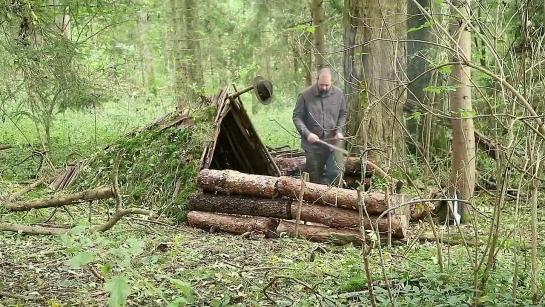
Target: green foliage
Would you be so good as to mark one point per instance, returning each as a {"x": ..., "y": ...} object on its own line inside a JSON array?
[
  {"x": 150, "y": 164},
  {"x": 186, "y": 294},
  {"x": 119, "y": 290},
  {"x": 82, "y": 259}
]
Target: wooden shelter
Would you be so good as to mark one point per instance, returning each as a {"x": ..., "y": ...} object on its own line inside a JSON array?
[{"x": 235, "y": 144}]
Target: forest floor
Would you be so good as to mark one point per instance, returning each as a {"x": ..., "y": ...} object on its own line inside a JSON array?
[{"x": 167, "y": 263}]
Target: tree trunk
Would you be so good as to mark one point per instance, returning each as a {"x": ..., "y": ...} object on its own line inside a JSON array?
[
  {"x": 146, "y": 57},
  {"x": 63, "y": 200},
  {"x": 417, "y": 54},
  {"x": 375, "y": 203},
  {"x": 307, "y": 54},
  {"x": 279, "y": 208},
  {"x": 177, "y": 7},
  {"x": 318, "y": 21},
  {"x": 344, "y": 218},
  {"x": 463, "y": 138},
  {"x": 233, "y": 182},
  {"x": 375, "y": 71},
  {"x": 231, "y": 223},
  {"x": 320, "y": 233},
  {"x": 193, "y": 47}
]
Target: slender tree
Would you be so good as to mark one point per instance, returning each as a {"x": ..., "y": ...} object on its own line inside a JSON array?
[
  {"x": 146, "y": 56},
  {"x": 463, "y": 131},
  {"x": 188, "y": 74},
  {"x": 318, "y": 21}
]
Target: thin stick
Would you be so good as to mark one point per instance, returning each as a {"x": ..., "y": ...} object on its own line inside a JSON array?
[{"x": 304, "y": 178}]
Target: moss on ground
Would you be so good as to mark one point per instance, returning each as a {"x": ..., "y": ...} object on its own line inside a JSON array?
[{"x": 155, "y": 169}]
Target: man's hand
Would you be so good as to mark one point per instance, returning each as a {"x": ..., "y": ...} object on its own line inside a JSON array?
[
  {"x": 339, "y": 136},
  {"x": 312, "y": 138}
]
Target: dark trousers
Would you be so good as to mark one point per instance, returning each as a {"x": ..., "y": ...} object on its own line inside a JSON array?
[{"x": 324, "y": 166}]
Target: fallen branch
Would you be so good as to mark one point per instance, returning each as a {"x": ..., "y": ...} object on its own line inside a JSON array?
[
  {"x": 33, "y": 230},
  {"x": 117, "y": 216},
  {"x": 5, "y": 146},
  {"x": 63, "y": 200},
  {"x": 19, "y": 296},
  {"x": 12, "y": 197},
  {"x": 39, "y": 230}
]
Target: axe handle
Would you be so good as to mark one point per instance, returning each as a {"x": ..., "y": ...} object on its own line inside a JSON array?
[{"x": 333, "y": 147}]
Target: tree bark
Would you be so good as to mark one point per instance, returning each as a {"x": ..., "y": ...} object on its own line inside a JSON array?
[
  {"x": 233, "y": 182},
  {"x": 344, "y": 218},
  {"x": 375, "y": 203},
  {"x": 231, "y": 223},
  {"x": 59, "y": 201},
  {"x": 463, "y": 131},
  {"x": 321, "y": 233},
  {"x": 374, "y": 73},
  {"x": 318, "y": 21},
  {"x": 280, "y": 208}
]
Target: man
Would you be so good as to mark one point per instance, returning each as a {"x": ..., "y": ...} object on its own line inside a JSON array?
[{"x": 320, "y": 114}]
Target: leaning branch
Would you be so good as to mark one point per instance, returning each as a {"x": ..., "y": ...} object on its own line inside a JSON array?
[{"x": 59, "y": 201}]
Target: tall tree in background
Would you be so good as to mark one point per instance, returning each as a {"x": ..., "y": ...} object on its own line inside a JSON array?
[
  {"x": 146, "y": 56},
  {"x": 318, "y": 21},
  {"x": 463, "y": 143},
  {"x": 188, "y": 72},
  {"x": 374, "y": 71},
  {"x": 417, "y": 50}
]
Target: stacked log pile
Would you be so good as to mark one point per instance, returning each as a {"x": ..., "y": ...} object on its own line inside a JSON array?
[
  {"x": 240, "y": 203},
  {"x": 293, "y": 164}
]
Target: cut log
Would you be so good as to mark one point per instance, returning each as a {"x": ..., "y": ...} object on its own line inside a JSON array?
[
  {"x": 343, "y": 218},
  {"x": 375, "y": 203},
  {"x": 59, "y": 201},
  {"x": 242, "y": 205},
  {"x": 231, "y": 223},
  {"x": 233, "y": 182},
  {"x": 321, "y": 233},
  {"x": 295, "y": 165},
  {"x": 354, "y": 182},
  {"x": 65, "y": 178}
]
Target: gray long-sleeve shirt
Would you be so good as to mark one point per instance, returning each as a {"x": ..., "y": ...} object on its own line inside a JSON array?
[{"x": 322, "y": 115}]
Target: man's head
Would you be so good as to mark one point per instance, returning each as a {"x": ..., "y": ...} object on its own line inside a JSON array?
[{"x": 324, "y": 81}]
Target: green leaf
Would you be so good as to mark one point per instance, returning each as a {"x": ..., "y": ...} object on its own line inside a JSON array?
[
  {"x": 106, "y": 269},
  {"x": 447, "y": 70},
  {"x": 136, "y": 246},
  {"x": 468, "y": 113},
  {"x": 119, "y": 291},
  {"x": 310, "y": 29},
  {"x": 416, "y": 115},
  {"x": 439, "y": 89},
  {"x": 81, "y": 259},
  {"x": 427, "y": 24},
  {"x": 186, "y": 291}
]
